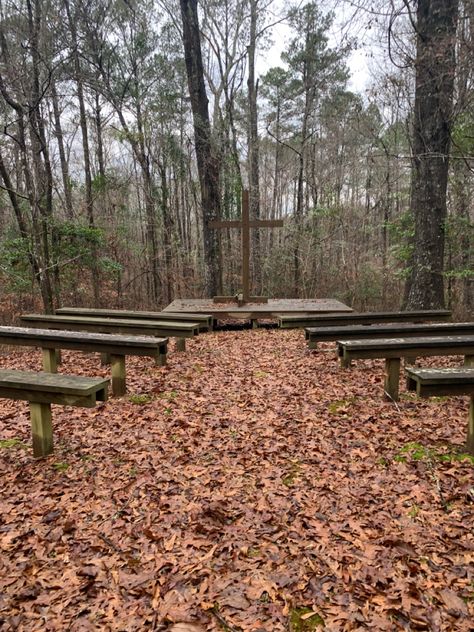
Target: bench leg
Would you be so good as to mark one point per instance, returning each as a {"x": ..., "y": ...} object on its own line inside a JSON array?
[
  {"x": 104, "y": 359},
  {"x": 312, "y": 344},
  {"x": 41, "y": 429},
  {"x": 59, "y": 359},
  {"x": 470, "y": 428},
  {"x": 345, "y": 362},
  {"x": 50, "y": 360},
  {"x": 254, "y": 322},
  {"x": 118, "y": 374},
  {"x": 180, "y": 344},
  {"x": 469, "y": 360},
  {"x": 392, "y": 376},
  {"x": 160, "y": 359}
]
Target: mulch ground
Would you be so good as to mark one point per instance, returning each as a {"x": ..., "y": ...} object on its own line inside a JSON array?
[{"x": 251, "y": 484}]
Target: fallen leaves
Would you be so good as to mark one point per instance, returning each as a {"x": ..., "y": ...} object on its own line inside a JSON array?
[{"x": 247, "y": 483}]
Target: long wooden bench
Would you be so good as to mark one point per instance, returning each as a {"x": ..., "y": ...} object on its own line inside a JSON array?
[
  {"x": 43, "y": 389},
  {"x": 117, "y": 346},
  {"x": 403, "y": 330},
  {"x": 292, "y": 321},
  {"x": 441, "y": 382},
  {"x": 205, "y": 321},
  {"x": 179, "y": 330},
  {"x": 394, "y": 349}
]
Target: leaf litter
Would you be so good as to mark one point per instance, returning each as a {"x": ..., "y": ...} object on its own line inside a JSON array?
[{"x": 249, "y": 485}]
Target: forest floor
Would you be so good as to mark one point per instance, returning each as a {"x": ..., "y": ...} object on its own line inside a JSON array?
[{"x": 251, "y": 484}]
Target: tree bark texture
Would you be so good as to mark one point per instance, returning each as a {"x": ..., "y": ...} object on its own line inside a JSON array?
[
  {"x": 208, "y": 167},
  {"x": 435, "y": 68},
  {"x": 253, "y": 141}
]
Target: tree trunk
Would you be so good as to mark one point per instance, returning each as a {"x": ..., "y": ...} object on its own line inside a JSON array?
[
  {"x": 435, "y": 67},
  {"x": 43, "y": 177},
  {"x": 253, "y": 143},
  {"x": 85, "y": 148},
  {"x": 58, "y": 130},
  {"x": 100, "y": 142},
  {"x": 208, "y": 167}
]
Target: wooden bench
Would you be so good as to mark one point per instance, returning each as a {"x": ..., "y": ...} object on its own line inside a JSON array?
[
  {"x": 43, "y": 389},
  {"x": 292, "y": 321},
  {"x": 205, "y": 321},
  {"x": 117, "y": 346},
  {"x": 441, "y": 382},
  {"x": 394, "y": 349},
  {"x": 164, "y": 328},
  {"x": 403, "y": 330}
]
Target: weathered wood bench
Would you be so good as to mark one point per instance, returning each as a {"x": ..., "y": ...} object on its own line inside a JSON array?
[
  {"x": 291, "y": 321},
  {"x": 164, "y": 328},
  {"x": 394, "y": 349},
  {"x": 403, "y": 330},
  {"x": 441, "y": 382},
  {"x": 118, "y": 347},
  {"x": 43, "y": 389},
  {"x": 205, "y": 321}
]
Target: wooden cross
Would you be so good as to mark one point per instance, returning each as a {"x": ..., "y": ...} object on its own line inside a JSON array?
[{"x": 245, "y": 223}]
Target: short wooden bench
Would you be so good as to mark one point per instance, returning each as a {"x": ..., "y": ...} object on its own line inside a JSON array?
[
  {"x": 292, "y": 321},
  {"x": 164, "y": 328},
  {"x": 403, "y": 330},
  {"x": 118, "y": 347},
  {"x": 43, "y": 389},
  {"x": 205, "y": 321},
  {"x": 441, "y": 382},
  {"x": 394, "y": 349}
]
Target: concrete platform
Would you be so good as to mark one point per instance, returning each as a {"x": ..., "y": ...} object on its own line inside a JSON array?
[{"x": 255, "y": 311}]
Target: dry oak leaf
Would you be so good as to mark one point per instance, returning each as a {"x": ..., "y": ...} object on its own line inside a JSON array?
[
  {"x": 454, "y": 604},
  {"x": 186, "y": 627}
]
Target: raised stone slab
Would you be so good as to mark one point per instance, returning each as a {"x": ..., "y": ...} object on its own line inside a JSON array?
[{"x": 254, "y": 311}]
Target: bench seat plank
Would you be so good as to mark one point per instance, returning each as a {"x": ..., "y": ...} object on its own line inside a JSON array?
[
  {"x": 287, "y": 321},
  {"x": 449, "y": 381},
  {"x": 440, "y": 382},
  {"x": 51, "y": 382},
  {"x": 403, "y": 330},
  {"x": 113, "y": 325},
  {"x": 205, "y": 321},
  {"x": 406, "y": 343},
  {"x": 43, "y": 389},
  {"x": 393, "y": 349},
  {"x": 116, "y": 345},
  {"x": 80, "y": 341}
]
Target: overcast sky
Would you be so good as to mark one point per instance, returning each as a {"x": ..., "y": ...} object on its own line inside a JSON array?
[{"x": 348, "y": 25}]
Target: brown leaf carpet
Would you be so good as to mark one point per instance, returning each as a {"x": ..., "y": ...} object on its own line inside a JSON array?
[{"x": 248, "y": 478}]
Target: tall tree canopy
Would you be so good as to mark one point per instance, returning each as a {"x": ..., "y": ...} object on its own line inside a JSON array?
[{"x": 128, "y": 126}]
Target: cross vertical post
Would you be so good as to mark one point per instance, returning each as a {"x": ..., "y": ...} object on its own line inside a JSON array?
[
  {"x": 245, "y": 247},
  {"x": 245, "y": 224}
]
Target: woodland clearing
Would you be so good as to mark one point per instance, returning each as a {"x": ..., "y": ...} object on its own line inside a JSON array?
[{"x": 251, "y": 484}]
